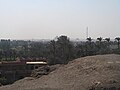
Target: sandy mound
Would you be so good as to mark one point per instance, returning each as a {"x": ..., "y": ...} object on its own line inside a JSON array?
[{"x": 100, "y": 72}]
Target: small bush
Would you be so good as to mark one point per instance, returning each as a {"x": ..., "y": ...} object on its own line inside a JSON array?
[{"x": 3, "y": 80}]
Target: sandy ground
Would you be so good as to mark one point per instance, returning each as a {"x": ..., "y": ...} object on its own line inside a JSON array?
[{"x": 100, "y": 72}]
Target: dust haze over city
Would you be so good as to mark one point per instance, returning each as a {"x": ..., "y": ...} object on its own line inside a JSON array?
[
  {"x": 59, "y": 45},
  {"x": 46, "y": 19}
]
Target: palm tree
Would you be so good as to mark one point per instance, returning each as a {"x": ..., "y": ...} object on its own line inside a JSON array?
[
  {"x": 88, "y": 46},
  {"x": 100, "y": 46},
  {"x": 118, "y": 40},
  {"x": 99, "y": 39},
  {"x": 107, "y": 45},
  {"x": 107, "y": 39},
  {"x": 89, "y": 39}
]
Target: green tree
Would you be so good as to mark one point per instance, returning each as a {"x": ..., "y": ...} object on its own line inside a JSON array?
[
  {"x": 61, "y": 50},
  {"x": 89, "y": 39},
  {"x": 118, "y": 40},
  {"x": 107, "y": 45},
  {"x": 100, "y": 42},
  {"x": 5, "y": 47},
  {"x": 52, "y": 48},
  {"x": 89, "y": 46},
  {"x": 107, "y": 39},
  {"x": 99, "y": 39}
]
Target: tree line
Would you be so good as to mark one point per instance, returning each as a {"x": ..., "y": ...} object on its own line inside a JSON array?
[{"x": 58, "y": 51}]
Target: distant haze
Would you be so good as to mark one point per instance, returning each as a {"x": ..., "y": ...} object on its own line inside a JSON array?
[{"x": 46, "y": 19}]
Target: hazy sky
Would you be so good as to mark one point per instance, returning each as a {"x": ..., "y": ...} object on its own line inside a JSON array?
[{"x": 45, "y": 19}]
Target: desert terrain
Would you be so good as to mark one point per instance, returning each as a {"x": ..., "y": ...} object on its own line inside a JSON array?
[{"x": 99, "y": 72}]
